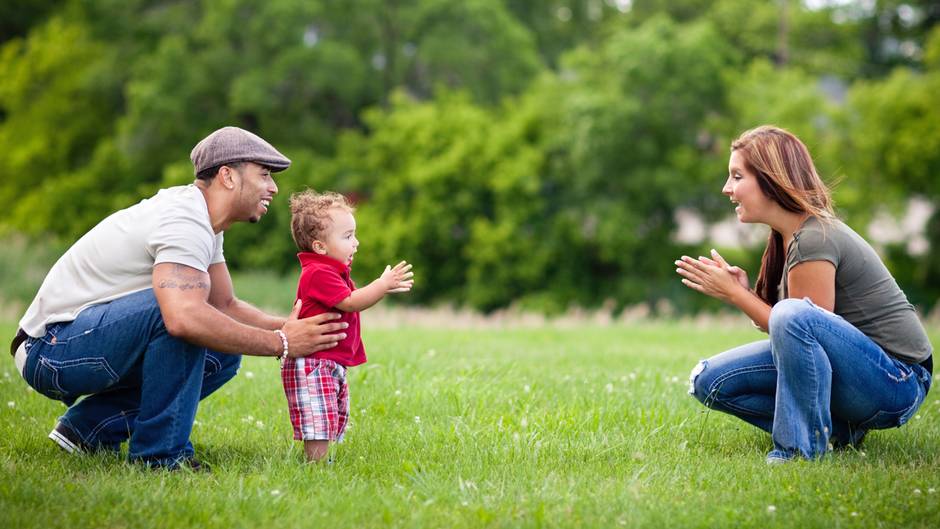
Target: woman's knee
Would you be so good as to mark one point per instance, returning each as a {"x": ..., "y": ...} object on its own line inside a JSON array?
[
  {"x": 789, "y": 312},
  {"x": 701, "y": 382}
]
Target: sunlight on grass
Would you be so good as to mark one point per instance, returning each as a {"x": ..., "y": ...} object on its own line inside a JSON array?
[{"x": 499, "y": 428}]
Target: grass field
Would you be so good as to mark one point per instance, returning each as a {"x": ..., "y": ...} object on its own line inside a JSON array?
[{"x": 574, "y": 427}]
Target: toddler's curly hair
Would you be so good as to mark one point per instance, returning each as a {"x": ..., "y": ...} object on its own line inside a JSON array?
[{"x": 310, "y": 215}]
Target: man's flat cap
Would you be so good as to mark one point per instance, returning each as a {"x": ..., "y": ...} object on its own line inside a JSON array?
[{"x": 231, "y": 145}]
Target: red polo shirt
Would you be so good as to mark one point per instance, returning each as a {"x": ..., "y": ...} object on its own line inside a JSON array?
[{"x": 323, "y": 283}]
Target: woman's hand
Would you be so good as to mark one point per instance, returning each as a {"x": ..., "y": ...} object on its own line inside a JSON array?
[{"x": 713, "y": 277}]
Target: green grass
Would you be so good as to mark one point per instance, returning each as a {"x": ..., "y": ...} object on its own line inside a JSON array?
[{"x": 484, "y": 428}]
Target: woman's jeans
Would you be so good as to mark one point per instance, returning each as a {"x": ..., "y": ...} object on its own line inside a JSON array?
[
  {"x": 141, "y": 383},
  {"x": 817, "y": 380}
]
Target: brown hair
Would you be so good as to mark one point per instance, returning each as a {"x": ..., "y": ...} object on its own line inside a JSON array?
[
  {"x": 786, "y": 174},
  {"x": 310, "y": 215}
]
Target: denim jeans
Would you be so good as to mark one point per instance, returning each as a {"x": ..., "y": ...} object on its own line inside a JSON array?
[
  {"x": 817, "y": 380},
  {"x": 140, "y": 383}
]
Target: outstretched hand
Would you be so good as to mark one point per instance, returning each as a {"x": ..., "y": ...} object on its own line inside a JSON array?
[
  {"x": 398, "y": 279},
  {"x": 712, "y": 276}
]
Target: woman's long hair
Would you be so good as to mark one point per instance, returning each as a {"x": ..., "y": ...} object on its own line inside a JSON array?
[{"x": 786, "y": 174}]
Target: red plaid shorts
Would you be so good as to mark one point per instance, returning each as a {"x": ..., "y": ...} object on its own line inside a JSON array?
[{"x": 317, "y": 398}]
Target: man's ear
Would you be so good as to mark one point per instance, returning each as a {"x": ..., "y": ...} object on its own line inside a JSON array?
[{"x": 226, "y": 177}]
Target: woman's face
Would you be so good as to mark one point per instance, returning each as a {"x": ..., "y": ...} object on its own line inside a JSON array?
[{"x": 752, "y": 205}]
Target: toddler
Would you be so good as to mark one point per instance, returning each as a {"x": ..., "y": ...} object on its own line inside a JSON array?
[{"x": 324, "y": 230}]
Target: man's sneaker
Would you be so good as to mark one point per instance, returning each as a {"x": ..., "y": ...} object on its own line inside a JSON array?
[
  {"x": 189, "y": 464},
  {"x": 68, "y": 439},
  {"x": 192, "y": 465}
]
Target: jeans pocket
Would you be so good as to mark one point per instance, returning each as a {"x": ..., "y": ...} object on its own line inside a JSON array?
[
  {"x": 67, "y": 379},
  {"x": 890, "y": 419}
]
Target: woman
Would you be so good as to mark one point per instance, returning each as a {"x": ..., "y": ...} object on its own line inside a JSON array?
[{"x": 846, "y": 353}]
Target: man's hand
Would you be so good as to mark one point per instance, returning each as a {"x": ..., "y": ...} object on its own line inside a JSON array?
[
  {"x": 398, "y": 279},
  {"x": 309, "y": 335}
]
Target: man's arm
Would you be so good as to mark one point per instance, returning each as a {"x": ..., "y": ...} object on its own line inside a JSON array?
[
  {"x": 183, "y": 295},
  {"x": 222, "y": 297}
]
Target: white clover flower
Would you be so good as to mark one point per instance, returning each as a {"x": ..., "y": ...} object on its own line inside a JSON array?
[
  {"x": 916, "y": 491},
  {"x": 259, "y": 424},
  {"x": 397, "y": 392},
  {"x": 853, "y": 513},
  {"x": 275, "y": 492},
  {"x": 249, "y": 374},
  {"x": 417, "y": 419},
  {"x": 11, "y": 404},
  {"x": 674, "y": 379},
  {"x": 771, "y": 509},
  {"x": 609, "y": 388},
  {"x": 524, "y": 422},
  {"x": 931, "y": 490},
  {"x": 526, "y": 388}
]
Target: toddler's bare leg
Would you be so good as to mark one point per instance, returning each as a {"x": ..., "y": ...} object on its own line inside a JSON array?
[{"x": 316, "y": 450}]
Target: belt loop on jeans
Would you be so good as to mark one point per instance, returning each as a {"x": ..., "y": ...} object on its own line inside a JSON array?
[{"x": 20, "y": 337}]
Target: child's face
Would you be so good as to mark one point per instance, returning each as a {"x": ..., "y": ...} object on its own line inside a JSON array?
[{"x": 339, "y": 241}]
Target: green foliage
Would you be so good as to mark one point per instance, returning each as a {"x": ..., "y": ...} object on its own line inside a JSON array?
[{"x": 515, "y": 150}]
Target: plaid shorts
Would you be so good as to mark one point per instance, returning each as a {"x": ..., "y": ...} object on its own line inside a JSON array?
[{"x": 317, "y": 398}]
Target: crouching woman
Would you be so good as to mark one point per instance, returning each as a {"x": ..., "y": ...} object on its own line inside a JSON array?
[{"x": 846, "y": 352}]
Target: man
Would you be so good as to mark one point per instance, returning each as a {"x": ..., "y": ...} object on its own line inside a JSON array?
[{"x": 140, "y": 315}]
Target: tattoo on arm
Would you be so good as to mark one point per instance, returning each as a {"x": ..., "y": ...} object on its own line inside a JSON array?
[{"x": 184, "y": 280}]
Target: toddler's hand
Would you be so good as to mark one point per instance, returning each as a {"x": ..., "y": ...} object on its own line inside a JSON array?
[{"x": 398, "y": 279}]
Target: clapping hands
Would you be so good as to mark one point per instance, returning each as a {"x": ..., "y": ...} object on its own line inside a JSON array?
[{"x": 713, "y": 277}]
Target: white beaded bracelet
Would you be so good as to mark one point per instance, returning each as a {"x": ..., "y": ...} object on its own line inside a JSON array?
[{"x": 284, "y": 343}]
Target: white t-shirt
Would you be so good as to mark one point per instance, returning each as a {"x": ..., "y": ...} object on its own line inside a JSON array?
[{"x": 117, "y": 256}]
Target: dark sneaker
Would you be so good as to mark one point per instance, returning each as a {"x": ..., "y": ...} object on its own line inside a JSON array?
[
  {"x": 853, "y": 440},
  {"x": 68, "y": 439},
  {"x": 191, "y": 465}
]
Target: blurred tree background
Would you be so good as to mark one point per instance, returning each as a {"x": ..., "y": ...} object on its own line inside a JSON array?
[{"x": 540, "y": 152}]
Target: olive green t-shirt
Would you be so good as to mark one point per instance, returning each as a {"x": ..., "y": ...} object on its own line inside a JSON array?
[{"x": 867, "y": 296}]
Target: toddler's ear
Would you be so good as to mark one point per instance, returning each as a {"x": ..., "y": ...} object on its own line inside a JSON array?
[{"x": 319, "y": 247}]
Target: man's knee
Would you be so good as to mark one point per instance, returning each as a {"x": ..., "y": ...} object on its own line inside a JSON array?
[{"x": 222, "y": 366}]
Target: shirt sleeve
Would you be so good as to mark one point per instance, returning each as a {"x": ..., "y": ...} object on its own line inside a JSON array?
[
  {"x": 218, "y": 256},
  {"x": 813, "y": 245},
  {"x": 327, "y": 287},
  {"x": 181, "y": 237}
]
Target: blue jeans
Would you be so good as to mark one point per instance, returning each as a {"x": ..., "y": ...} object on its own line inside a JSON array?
[
  {"x": 817, "y": 380},
  {"x": 142, "y": 384}
]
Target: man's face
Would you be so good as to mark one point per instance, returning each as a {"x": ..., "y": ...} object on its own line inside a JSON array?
[{"x": 255, "y": 188}]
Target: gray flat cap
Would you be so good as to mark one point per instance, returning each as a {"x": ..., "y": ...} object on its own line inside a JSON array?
[{"x": 232, "y": 144}]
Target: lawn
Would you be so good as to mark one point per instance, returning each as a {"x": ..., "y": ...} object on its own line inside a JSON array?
[{"x": 514, "y": 427}]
